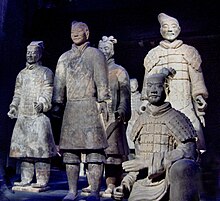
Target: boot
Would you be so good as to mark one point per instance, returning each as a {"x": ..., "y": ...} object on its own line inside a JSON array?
[
  {"x": 95, "y": 172},
  {"x": 27, "y": 173},
  {"x": 42, "y": 174},
  {"x": 72, "y": 171}
]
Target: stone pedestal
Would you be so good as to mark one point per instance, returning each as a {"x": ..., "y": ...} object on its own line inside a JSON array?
[{"x": 30, "y": 189}]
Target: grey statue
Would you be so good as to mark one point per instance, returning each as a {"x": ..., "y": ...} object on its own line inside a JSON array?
[
  {"x": 32, "y": 139},
  {"x": 166, "y": 152},
  {"x": 81, "y": 74},
  {"x": 188, "y": 92},
  {"x": 135, "y": 107},
  {"x": 119, "y": 115}
]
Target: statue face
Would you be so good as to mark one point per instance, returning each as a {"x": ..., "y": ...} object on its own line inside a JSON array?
[
  {"x": 133, "y": 85},
  {"x": 170, "y": 30},
  {"x": 33, "y": 54},
  {"x": 79, "y": 35},
  {"x": 155, "y": 91},
  {"x": 107, "y": 49}
]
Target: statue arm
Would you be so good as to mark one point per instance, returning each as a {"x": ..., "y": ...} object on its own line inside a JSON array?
[
  {"x": 199, "y": 93},
  {"x": 17, "y": 92},
  {"x": 59, "y": 82},
  {"x": 47, "y": 90},
  {"x": 184, "y": 150},
  {"x": 124, "y": 108},
  {"x": 13, "y": 108},
  {"x": 101, "y": 76}
]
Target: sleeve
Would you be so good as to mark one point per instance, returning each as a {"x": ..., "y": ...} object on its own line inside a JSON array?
[
  {"x": 100, "y": 76},
  {"x": 59, "y": 81},
  {"x": 125, "y": 94},
  {"x": 195, "y": 72},
  {"x": 17, "y": 92},
  {"x": 47, "y": 90}
]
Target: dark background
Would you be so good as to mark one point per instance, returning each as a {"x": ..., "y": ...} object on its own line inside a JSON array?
[{"x": 134, "y": 24}]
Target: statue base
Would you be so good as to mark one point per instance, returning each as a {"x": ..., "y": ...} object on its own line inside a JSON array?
[{"x": 30, "y": 189}]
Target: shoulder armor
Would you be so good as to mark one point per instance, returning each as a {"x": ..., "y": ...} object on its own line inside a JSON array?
[
  {"x": 152, "y": 58},
  {"x": 180, "y": 125},
  {"x": 192, "y": 56}
]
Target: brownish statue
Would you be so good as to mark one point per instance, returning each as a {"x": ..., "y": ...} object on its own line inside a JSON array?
[
  {"x": 32, "y": 139},
  {"x": 165, "y": 145},
  {"x": 188, "y": 92},
  {"x": 81, "y": 78},
  {"x": 119, "y": 115}
]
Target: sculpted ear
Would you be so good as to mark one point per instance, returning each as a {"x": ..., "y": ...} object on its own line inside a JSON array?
[{"x": 87, "y": 34}]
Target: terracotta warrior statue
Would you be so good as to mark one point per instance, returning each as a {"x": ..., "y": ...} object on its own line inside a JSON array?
[
  {"x": 32, "y": 140},
  {"x": 81, "y": 79},
  {"x": 135, "y": 107},
  {"x": 188, "y": 92},
  {"x": 119, "y": 115},
  {"x": 166, "y": 153}
]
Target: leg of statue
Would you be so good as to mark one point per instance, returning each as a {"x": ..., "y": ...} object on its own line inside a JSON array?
[
  {"x": 42, "y": 174},
  {"x": 88, "y": 188},
  {"x": 72, "y": 171},
  {"x": 184, "y": 181},
  {"x": 113, "y": 175},
  {"x": 95, "y": 173},
  {"x": 27, "y": 173}
]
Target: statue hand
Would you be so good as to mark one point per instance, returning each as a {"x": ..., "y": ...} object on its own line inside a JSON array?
[
  {"x": 103, "y": 109},
  {"x": 119, "y": 115},
  {"x": 123, "y": 190},
  {"x": 200, "y": 103},
  {"x": 118, "y": 192},
  {"x": 134, "y": 165},
  {"x": 12, "y": 113},
  {"x": 38, "y": 107}
]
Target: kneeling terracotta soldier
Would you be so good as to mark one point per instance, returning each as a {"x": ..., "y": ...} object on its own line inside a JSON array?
[{"x": 166, "y": 152}]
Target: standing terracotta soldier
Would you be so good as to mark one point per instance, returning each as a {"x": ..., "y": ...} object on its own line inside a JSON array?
[
  {"x": 119, "y": 115},
  {"x": 166, "y": 153},
  {"x": 135, "y": 107},
  {"x": 81, "y": 74},
  {"x": 187, "y": 88},
  {"x": 32, "y": 139}
]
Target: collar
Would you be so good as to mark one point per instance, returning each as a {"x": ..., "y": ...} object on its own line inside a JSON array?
[
  {"x": 110, "y": 61},
  {"x": 81, "y": 48},
  {"x": 158, "y": 110},
  {"x": 32, "y": 66},
  {"x": 171, "y": 45}
]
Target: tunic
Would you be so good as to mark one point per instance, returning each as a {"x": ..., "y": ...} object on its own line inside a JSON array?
[
  {"x": 32, "y": 135},
  {"x": 81, "y": 77},
  {"x": 188, "y": 82},
  {"x": 119, "y": 84}
]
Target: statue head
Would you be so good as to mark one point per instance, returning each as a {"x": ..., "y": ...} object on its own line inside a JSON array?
[
  {"x": 106, "y": 45},
  {"x": 34, "y": 51},
  {"x": 133, "y": 85},
  {"x": 158, "y": 85},
  {"x": 169, "y": 27},
  {"x": 79, "y": 33},
  {"x": 156, "y": 88}
]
